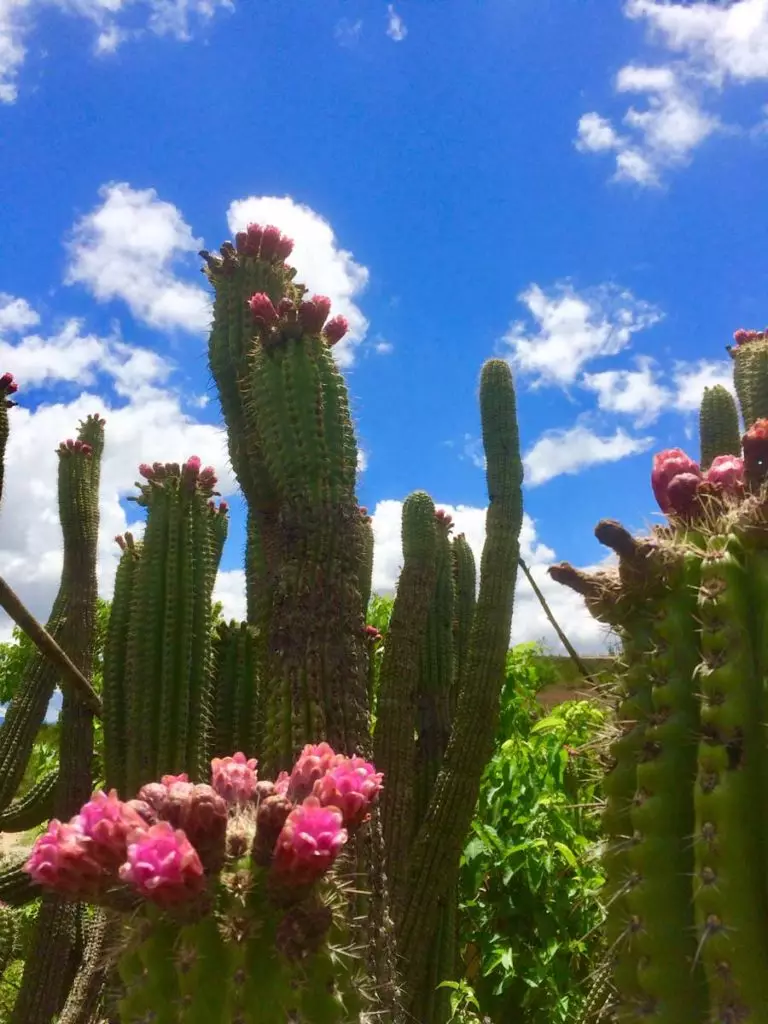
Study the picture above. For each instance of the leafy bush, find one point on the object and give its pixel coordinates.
(530, 918)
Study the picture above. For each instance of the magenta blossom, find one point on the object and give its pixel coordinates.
(309, 843)
(109, 824)
(62, 859)
(163, 866)
(352, 785)
(314, 312)
(234, 778)
(262, 309)
(683, 494)
(312, 764)
(726, 474)
(666, 466)
(335, 329)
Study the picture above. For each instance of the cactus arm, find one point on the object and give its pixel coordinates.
(16, 887)
(200, 679)
(718, 425)
(750, 377)
(32, 809)
(660, 856)
(393, 744)
(173, 708)
(729, 893)
(115, 658)
(437, 848)
(7, 388)
(465, 577)
(85, 996)
(8, 935)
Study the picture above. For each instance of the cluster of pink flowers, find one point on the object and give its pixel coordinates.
(311, 316)
(165, 842)
(678, 482)
(742, 337)
(192, 473)
(266, 243)
(71, 447)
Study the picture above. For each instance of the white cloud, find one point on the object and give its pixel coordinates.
(145, 423)
(559, 452)
(175, 18)
(708, 46)
(635, 393)
(383, 347)
(16, 314)
(662, 135)
(529, 621)
(322, 266)
(230, 590)
(396, 27)
(691, 379)
(573, 328)
(127, 248)
(728, 39)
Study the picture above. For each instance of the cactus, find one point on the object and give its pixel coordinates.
(687, 921)
(8, 935)
(158, 658)
(53, 956)
(237, 914)
(718, 425)
(237, 709)
(32, 809)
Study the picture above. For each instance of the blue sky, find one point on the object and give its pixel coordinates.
(575, 185)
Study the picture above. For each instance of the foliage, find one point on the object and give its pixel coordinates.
(530, 917)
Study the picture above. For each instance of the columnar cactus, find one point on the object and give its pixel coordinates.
(53, 956)
(235, 913)
(687, 907)
(718, 425)
(158, 658)
(238, 710)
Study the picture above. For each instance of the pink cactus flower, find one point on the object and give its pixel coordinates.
(372, 634)
(262, 309)
(282, 783)
(683, 493)
(742, 337)
(310, 841)
(284, 248)
(253, 235)
(666, 466)
(234, 778)
(146, 471)
(311, 765)
(8, 385)
(109, 824)
(270, 242)
(223, 507)
(62, 859)
(285, 306)
(163, 866)
(335, 329)
(169, 780)
(726, 474)
(352, 785)
(193, 464)
(314, 312)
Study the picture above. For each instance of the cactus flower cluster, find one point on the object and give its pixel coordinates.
(290, 318)
(679, 484)
(163, 843)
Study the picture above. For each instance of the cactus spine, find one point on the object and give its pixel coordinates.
(718, 425)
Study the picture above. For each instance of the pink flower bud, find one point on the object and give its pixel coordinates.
(192, 465)
(234, 778)
(109, 824)
(352, 785)
(8, 385)
(253, 234)
(309, 843)
(163, 866)
(264, 313)
(282, 783)
(683, 493)
(666, 466)
(270, 241)
(313, 313)
(372, 634)
(285, 306)
(755, 446)
(312, 764)
(223, 507)
(335, 329)
(726, 474)
(62, 859)
(86, 450)
(146, 471)
(270, 817)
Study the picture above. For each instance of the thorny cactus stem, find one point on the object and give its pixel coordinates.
(718, 425)
(238, 915)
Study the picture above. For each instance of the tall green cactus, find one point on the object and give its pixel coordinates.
(718, 425)
(687, 908)
(53, 956)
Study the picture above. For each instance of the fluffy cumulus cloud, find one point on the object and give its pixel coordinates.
(636, 393)
(129, 248)
(690, 379)
(529, 621)
(16, 314)
(707, 47)
(322, 265)
(146, 420)
(575, 449)
(571, 328)
(175, 18)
